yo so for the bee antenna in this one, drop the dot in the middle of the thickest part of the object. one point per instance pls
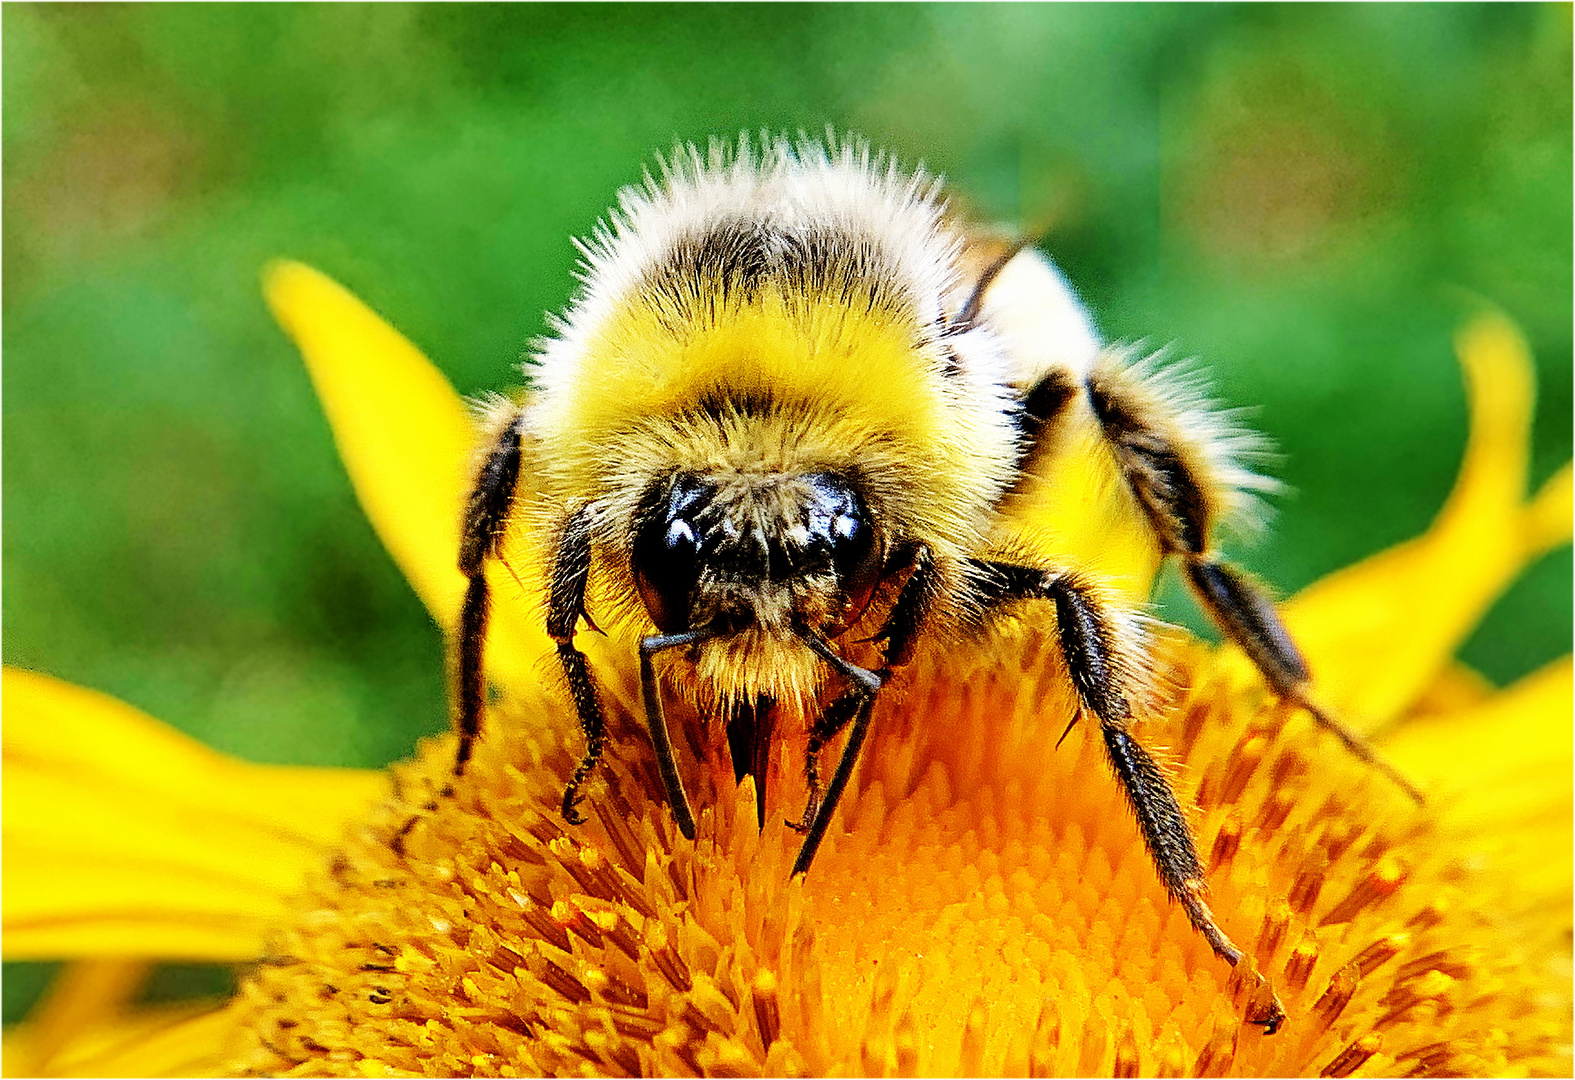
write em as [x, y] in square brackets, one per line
[970, 311]
[656, 721]
[867, 680]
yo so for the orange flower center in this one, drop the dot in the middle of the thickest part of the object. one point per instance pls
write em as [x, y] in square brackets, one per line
[983, 905]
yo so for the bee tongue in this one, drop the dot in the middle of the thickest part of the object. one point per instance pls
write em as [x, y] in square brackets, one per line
[749, 729]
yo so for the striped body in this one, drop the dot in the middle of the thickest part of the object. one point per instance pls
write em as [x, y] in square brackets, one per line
[754, 320]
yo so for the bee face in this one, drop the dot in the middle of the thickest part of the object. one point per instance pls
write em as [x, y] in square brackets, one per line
[731, 551]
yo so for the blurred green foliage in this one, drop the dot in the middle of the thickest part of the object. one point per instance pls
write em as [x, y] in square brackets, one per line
[1309, 197]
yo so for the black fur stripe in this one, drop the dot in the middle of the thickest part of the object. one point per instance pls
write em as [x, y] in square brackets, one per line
[1161, 480]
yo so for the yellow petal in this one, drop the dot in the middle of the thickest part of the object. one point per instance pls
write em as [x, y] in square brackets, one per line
[1377, 634]
[1457, 687]
[1502, 770]
[124, 837]
[175, 1040]
[1522, 728]
[405, 439]
[1551, 514]
[402, 432]
[85, 993]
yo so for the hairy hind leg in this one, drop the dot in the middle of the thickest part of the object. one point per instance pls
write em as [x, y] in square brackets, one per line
[483, 526]
[1168, 473]
[571, 568]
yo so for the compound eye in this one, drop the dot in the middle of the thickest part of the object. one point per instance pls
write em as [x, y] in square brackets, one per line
[666, 558]
[839, 520]
[857, 558]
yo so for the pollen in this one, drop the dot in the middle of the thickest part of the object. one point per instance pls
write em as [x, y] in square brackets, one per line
[983, 906]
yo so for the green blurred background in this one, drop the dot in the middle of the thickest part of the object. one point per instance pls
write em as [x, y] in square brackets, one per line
[1310, 198]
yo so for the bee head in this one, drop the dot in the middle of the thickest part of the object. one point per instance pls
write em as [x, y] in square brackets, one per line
[732, 550]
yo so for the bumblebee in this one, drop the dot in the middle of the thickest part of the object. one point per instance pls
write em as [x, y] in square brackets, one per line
[798, 425]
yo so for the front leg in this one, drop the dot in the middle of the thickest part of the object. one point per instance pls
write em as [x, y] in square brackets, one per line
[857, 703]
[482, 529]
[1103, 664]
[898, 636]
[832, 719]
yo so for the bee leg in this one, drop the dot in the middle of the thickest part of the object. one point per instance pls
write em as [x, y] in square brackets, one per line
[968, 317]
[1167, 487]
[1098, 664]
[828, 724]
[1249, 618]
[897, 635]
[859, 701]
[481, 537]
[565, 605]
[911, 609]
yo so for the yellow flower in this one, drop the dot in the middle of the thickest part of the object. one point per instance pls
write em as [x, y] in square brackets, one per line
[981, 907]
